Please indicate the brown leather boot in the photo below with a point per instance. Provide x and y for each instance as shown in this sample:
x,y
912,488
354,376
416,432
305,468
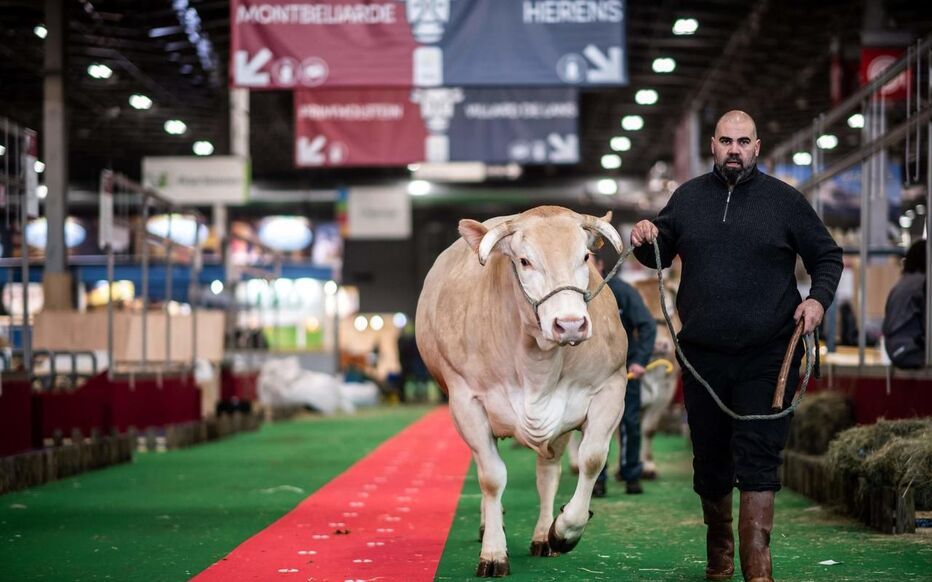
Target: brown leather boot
x,y
719,539
755,522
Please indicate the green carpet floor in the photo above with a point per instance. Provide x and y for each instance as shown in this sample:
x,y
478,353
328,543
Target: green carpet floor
x,y
166,517
659,535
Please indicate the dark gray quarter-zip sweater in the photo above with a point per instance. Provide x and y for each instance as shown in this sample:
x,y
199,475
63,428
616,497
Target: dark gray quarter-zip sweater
x,y
738,247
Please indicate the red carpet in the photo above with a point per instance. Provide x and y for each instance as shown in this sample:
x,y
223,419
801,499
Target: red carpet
x,y
385,518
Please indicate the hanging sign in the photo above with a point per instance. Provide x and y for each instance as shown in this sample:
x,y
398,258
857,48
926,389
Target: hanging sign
x,y
286,44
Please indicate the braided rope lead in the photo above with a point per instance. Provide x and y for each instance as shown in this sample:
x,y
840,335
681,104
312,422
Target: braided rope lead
x,y
807,340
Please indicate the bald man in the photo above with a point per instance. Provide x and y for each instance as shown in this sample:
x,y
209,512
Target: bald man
x,y
738,233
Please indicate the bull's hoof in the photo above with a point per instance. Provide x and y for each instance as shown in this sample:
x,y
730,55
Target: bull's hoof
x,y
542,549
492,568
561,545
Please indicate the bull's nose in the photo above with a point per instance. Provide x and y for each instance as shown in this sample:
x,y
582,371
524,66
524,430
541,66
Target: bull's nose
x,y
570,328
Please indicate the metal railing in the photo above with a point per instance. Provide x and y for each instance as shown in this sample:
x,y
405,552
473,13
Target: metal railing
x,y
870,110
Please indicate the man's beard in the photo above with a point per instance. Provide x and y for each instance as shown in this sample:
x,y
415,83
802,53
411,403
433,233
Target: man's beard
x,y
733,174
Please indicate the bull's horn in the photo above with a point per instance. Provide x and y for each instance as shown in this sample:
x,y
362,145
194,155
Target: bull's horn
x,y
491,239
602,227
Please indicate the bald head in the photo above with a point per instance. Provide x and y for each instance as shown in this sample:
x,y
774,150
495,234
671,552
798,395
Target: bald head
x,y
735,145
736,117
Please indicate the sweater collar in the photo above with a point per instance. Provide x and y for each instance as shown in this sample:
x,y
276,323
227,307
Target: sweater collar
x,y
750,176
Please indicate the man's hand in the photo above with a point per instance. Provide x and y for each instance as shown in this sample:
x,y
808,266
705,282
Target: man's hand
x,y
635,371
643,232
811,311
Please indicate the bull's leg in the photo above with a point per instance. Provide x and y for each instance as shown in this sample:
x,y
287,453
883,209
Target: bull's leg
x,y
601,423
473,424
548,479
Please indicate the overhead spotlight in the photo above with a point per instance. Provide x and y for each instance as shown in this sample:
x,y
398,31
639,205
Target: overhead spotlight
x,y
607,186
418,187
376,322
645,97
802,158
2,150
400,320
827,141
138,101
42,191
856,121
620,143
361,323
41,31
330,288
685,26
611,161
216,287
663,65
39,166
414,167
99,71
203,148
905,221
632,122
175,127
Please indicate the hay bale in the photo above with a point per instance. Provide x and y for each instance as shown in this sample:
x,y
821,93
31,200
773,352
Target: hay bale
x,y
894,454
819,418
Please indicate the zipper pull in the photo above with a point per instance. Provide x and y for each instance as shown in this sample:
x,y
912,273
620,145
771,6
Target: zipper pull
x,y
727,201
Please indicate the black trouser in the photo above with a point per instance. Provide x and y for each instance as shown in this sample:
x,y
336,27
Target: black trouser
x,y
728,452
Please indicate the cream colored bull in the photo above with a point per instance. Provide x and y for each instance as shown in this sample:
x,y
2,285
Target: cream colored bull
x,y
510,337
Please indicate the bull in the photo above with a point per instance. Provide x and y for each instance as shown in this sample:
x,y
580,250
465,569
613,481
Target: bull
x,y
508,325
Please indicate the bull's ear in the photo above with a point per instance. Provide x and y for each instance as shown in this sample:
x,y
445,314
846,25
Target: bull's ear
x,y
472,232
608,217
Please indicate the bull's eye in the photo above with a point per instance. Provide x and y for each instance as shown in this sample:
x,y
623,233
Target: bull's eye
x,y
525,262
585,257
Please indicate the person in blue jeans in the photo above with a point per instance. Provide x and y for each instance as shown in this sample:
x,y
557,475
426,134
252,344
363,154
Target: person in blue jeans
x,y
641,328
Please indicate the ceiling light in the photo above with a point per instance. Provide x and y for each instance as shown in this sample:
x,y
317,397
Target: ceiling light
x,y
42,191
856,121
99,71
216,287
400,320
418,187
175,127
285,233
827,141
802,158
684,26
39,166
414,167
361,323
906,221
376,322
632,122
620,143
330,288
664,65
137,101
645,97
611,161
607,186
41,31
203,148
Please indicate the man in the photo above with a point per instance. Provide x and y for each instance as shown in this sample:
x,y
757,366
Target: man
x,y
904,320
738,232
642,331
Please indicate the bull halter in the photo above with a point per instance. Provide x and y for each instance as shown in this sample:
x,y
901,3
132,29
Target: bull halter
x,y
587,295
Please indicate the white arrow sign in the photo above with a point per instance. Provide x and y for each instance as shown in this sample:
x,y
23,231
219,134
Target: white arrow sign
x,y
605,68
247,70
310,152
565,148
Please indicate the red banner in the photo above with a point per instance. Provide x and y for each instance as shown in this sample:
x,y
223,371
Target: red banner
x,y
875,61
286,44
377,127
